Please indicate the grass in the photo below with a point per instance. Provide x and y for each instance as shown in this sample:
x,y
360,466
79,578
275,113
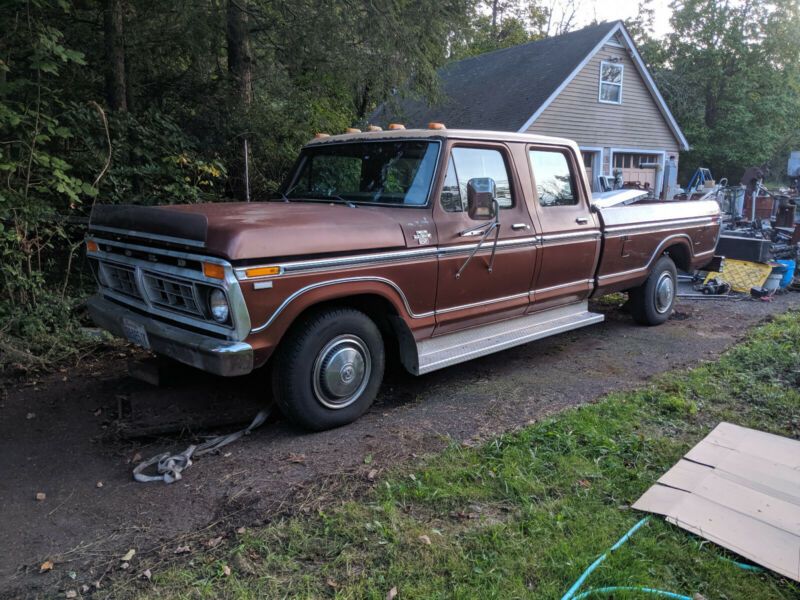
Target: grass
x,y
523,515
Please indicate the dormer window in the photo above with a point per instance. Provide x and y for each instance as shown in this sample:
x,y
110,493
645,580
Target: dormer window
x,y
610,82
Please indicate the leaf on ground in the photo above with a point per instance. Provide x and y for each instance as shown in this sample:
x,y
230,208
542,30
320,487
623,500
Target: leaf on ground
x,y
331,583
128,555
391,594
226,570
41,496
183,549
296,458
71,594
214,542
46,566
425,540
147,574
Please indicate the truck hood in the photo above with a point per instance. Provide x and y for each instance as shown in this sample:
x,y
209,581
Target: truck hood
x,y
256,230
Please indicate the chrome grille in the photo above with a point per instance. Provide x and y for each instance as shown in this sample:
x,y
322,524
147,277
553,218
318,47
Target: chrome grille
x,y
120,279
173,294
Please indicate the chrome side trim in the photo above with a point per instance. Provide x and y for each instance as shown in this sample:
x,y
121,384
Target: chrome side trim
x,y
444,311
340,261
380,257
659,227
572,236
321,284
147,236
563,285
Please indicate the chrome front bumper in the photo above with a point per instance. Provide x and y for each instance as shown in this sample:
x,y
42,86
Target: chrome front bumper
x,y
220,357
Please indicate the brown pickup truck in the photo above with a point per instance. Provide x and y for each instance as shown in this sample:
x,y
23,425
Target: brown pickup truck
x,y
432,246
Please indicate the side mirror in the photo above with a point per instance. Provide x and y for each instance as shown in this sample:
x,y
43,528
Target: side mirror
x,y
481,204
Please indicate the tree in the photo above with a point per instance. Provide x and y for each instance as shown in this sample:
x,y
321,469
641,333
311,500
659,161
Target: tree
x,y
114,36
730,72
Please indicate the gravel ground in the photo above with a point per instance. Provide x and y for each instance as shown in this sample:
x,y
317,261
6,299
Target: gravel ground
x,y
62,435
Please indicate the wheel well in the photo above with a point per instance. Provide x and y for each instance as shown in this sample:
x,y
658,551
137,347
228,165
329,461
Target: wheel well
x,y
680,256
379,309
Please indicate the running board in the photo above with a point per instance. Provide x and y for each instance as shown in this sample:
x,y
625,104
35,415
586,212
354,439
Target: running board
x,y
460,346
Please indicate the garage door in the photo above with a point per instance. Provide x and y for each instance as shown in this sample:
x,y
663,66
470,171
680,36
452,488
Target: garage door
x,y
637,168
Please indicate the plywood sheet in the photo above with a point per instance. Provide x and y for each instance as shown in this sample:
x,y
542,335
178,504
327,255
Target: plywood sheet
x,y
739,488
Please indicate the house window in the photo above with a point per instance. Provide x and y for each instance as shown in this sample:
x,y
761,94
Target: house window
x,y
611,82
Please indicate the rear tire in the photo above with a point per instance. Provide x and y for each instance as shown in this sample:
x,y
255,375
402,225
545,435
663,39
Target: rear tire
x,y
653,301
328,369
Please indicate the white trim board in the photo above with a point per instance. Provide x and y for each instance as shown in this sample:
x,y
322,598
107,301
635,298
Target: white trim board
x,y
640,67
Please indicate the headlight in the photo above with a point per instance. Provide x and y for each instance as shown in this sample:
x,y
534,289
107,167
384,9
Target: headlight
x,y
218,304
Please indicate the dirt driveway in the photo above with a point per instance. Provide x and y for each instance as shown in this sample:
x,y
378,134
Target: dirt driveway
x,y
61,435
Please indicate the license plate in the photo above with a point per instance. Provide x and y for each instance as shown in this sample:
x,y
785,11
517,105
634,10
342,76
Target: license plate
x,y
135,333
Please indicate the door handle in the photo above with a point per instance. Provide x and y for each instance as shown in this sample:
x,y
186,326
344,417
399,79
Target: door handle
x,y
582,220
518,226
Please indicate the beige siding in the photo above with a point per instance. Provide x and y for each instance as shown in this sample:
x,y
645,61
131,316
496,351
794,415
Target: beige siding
x,y
577,113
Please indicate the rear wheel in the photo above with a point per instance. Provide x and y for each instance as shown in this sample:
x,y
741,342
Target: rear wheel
x,y
328,369
653,301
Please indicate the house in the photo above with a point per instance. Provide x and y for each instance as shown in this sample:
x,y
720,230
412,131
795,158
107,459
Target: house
x,y
589,85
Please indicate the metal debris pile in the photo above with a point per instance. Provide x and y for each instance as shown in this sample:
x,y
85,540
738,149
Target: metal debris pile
x,y
760,237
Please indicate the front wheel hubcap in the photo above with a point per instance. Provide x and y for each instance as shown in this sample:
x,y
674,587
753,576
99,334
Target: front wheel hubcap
x,y
341,371
665,293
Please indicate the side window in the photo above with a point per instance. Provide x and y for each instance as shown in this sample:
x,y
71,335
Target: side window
x,y
554,182
468,163
451,195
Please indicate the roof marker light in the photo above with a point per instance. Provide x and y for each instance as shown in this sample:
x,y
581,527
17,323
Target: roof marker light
x,y
396,126
434,125
319,136
352,130
374,128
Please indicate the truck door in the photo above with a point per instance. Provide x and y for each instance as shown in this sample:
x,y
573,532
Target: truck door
x,y
570,231
473,294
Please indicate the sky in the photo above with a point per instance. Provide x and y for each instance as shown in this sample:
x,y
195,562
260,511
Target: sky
x,y
612,10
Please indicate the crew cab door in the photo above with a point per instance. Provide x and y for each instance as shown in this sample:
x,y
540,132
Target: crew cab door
x,y
570,231
477,294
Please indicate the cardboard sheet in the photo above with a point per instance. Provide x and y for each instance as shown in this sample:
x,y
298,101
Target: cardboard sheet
x,y
739,488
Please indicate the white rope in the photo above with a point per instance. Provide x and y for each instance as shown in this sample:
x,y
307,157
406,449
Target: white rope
x,y
170,466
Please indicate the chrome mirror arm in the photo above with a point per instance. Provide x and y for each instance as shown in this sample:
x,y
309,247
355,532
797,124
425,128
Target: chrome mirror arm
x,y
491,226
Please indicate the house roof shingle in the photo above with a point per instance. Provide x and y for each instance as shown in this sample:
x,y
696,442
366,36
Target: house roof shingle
x,y
500,90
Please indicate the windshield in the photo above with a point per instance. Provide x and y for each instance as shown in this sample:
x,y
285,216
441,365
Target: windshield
x,y
388,172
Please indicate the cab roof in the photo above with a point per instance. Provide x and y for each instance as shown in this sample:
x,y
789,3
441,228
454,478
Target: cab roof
x,y
442,134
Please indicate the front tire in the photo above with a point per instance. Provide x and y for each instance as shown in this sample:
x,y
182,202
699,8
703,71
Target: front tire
x,y
653,301
328,369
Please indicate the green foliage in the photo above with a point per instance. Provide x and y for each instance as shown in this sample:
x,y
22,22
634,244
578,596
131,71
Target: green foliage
x,y
730,72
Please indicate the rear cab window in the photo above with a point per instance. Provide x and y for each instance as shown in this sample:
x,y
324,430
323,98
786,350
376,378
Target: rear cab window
x,y
468,163
555,181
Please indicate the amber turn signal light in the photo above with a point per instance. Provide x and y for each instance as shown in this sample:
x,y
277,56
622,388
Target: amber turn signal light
x,y
262,271
91,246
396,126
213,271
433,125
